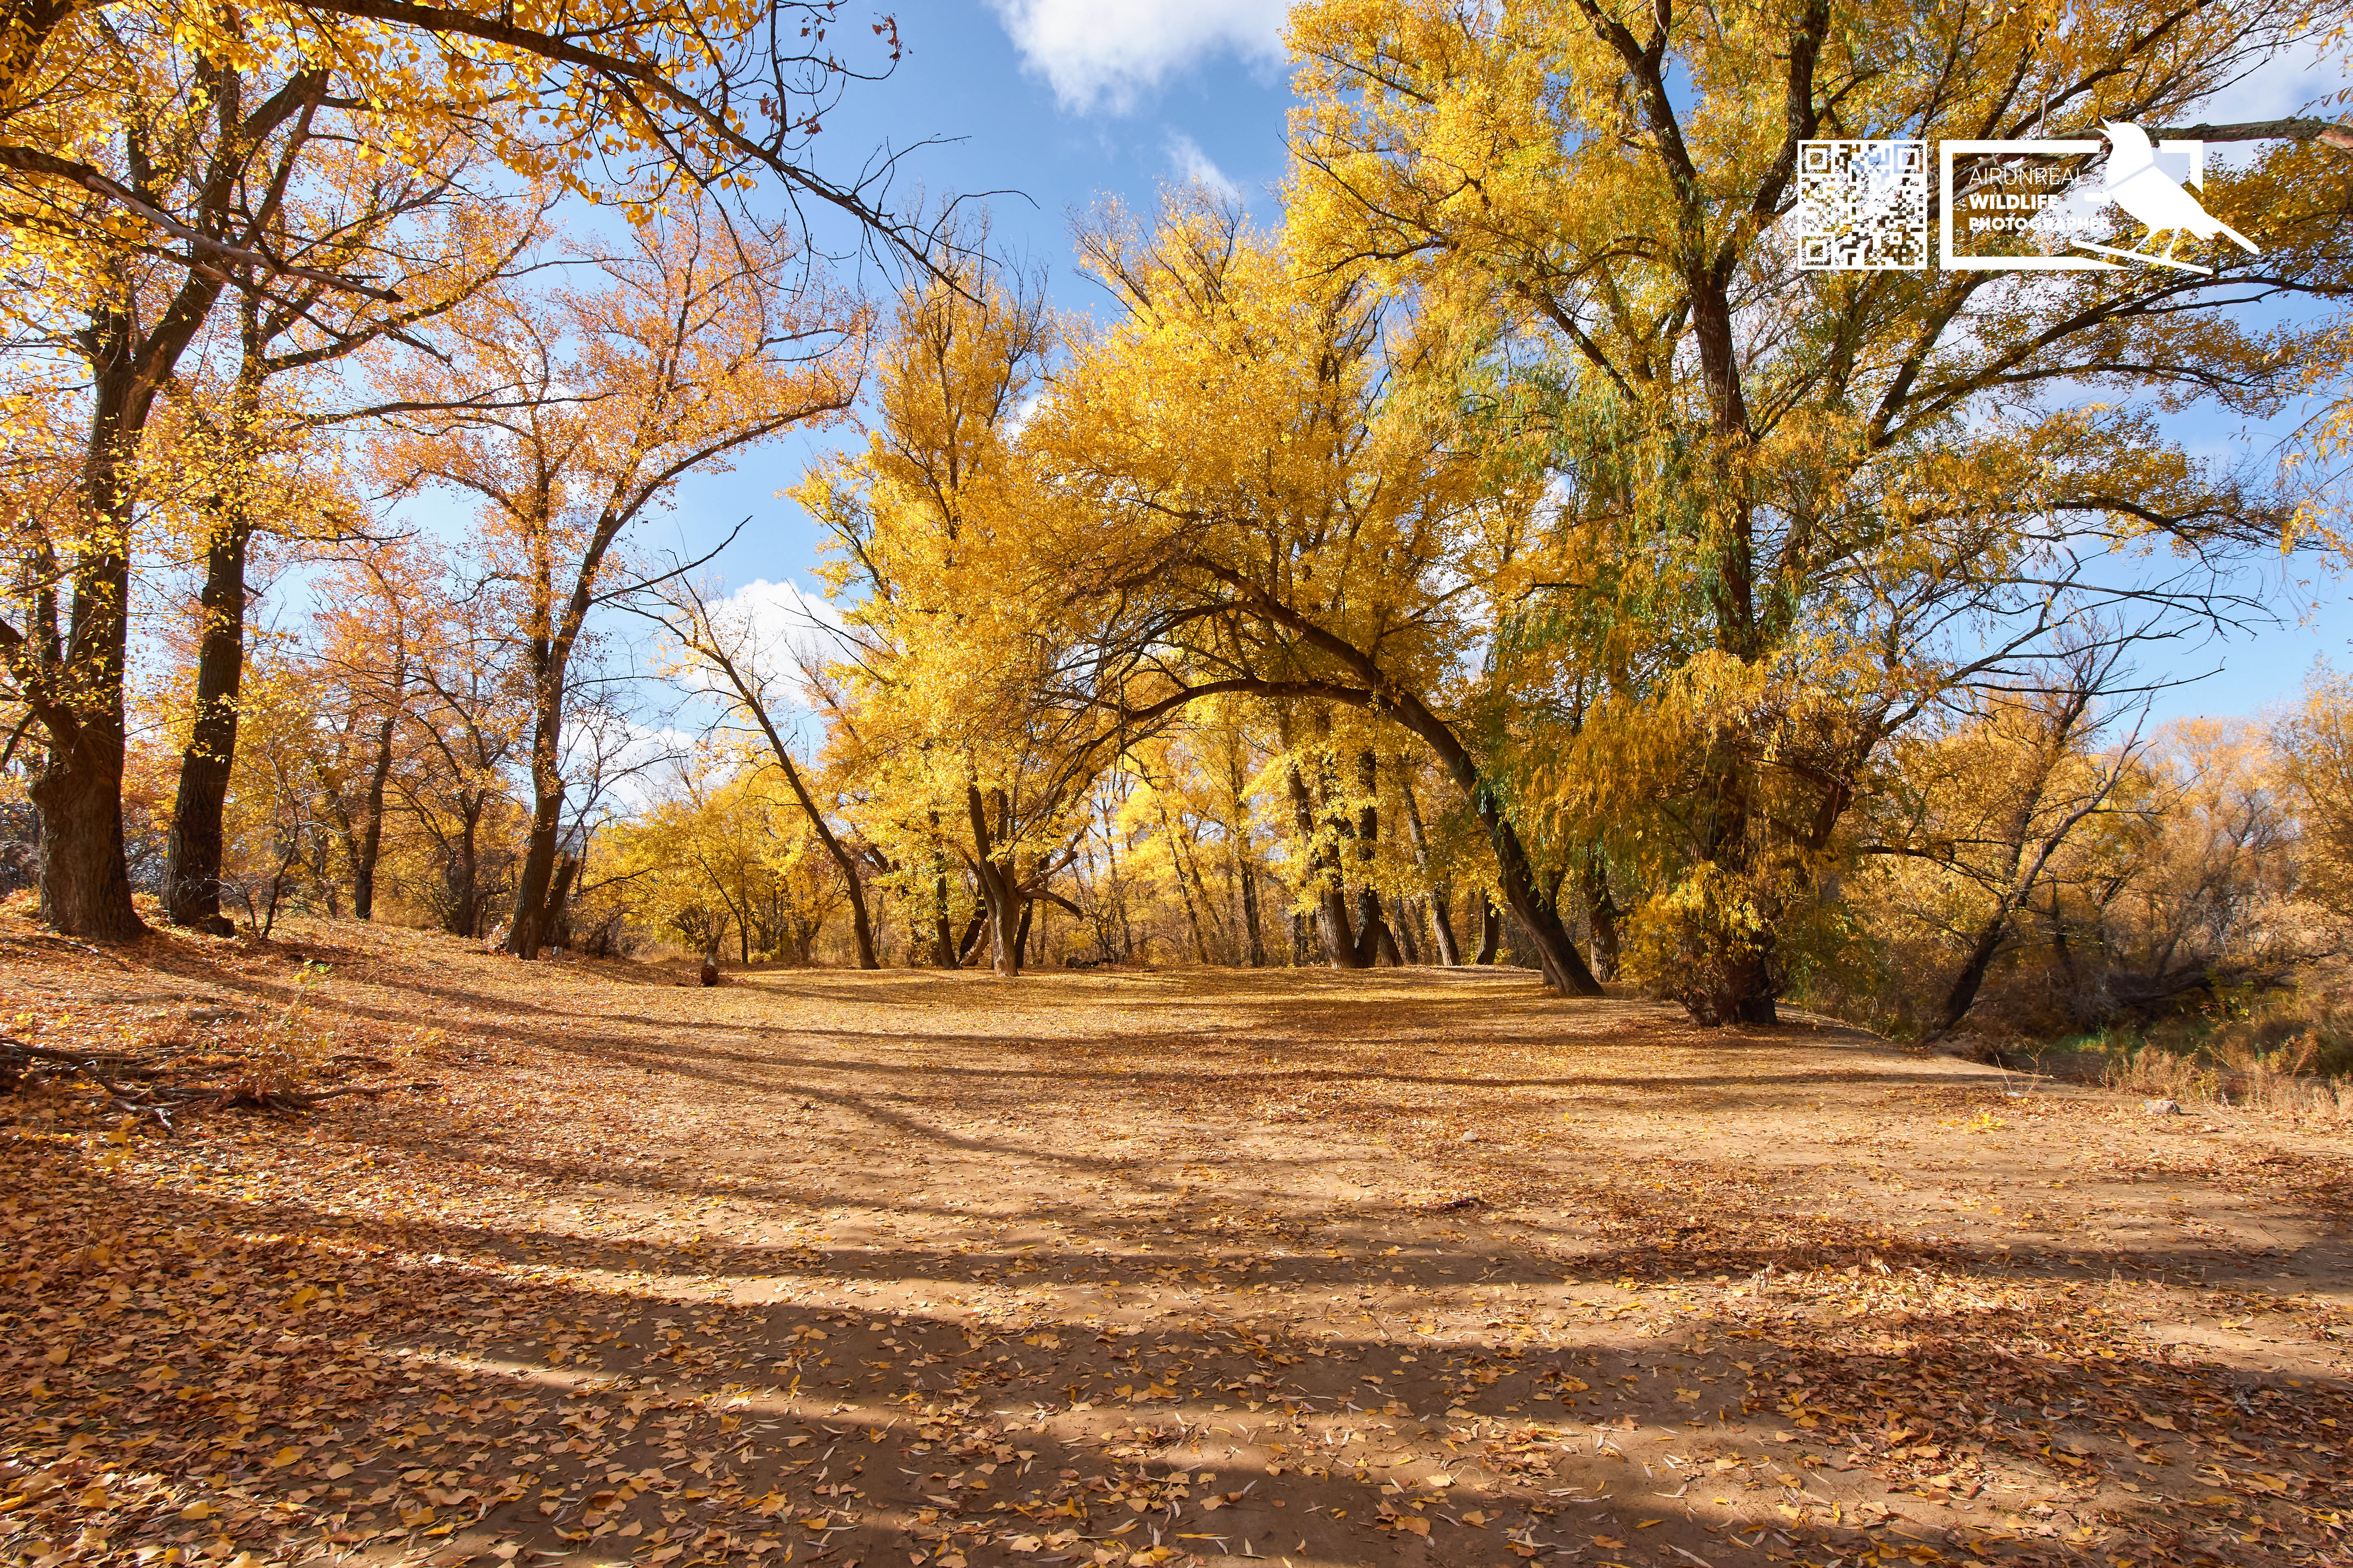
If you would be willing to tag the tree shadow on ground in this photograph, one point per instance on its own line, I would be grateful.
(480, 1392)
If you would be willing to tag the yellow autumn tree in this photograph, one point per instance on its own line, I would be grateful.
(142, 150)
(970, 705)
(727, 852)
(1788, 506)
(1269, 488)
(2315, 746)
(694, 342)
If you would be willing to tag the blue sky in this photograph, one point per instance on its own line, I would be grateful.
(1068, 102)
(1096, 98)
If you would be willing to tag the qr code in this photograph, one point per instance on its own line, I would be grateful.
(1862, 205)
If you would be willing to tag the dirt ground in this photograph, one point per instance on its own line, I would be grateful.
(1410, 1267)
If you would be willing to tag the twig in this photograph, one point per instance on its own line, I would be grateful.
(151, 1097)
(93, 951)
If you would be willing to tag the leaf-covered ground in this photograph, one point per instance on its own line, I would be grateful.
(909, 1268)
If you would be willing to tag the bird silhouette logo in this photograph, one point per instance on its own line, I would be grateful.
(2135, 182)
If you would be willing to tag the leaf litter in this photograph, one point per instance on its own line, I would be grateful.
(1116, 1268)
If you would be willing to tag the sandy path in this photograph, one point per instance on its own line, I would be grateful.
(1404, 1266)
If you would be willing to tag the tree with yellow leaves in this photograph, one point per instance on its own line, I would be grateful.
(242, 437)
(633, 100)
(695, 343)
(727, 851)
(1790, 507)
(142, 154)
(971, 703)
(723, 646)
(98, 309)
(2316, 747)
(1268, 489)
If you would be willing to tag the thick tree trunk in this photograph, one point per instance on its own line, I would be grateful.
(1731, 980)
(371, 844)
(527, 934)
(459, 877)
(85, 882)
(1962, 994)
(1563, 966)
(1373, 938)
(193, 850)
(998, 890)
(85, 876)
(1602, 914)
(75, 691)
(1333, 927)
(1441, 922)
(1299, 956)
(1491, 928)
(559, 902)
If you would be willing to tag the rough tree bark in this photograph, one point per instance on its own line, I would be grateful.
(73, 682)
(1602, 914)
(996, 886)
(192, 847)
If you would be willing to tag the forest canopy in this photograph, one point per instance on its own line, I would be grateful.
(1506, 544)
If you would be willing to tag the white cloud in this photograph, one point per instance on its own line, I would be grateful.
(774, 632)
(784, 628)
(1194, 168)
(783, 612)
(1105, 54)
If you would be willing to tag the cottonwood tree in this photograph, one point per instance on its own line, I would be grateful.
(247, 444)
(1991, 805)
(725, 848)
(1792, 506)
(460, 736)
(130, 134)
(373, 624)
(98, 308)
(625, 101)
(692, 344)
(969, 704)
(2315, 746)
(1265, 496)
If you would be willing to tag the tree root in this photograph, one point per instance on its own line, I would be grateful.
(26, 1064)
